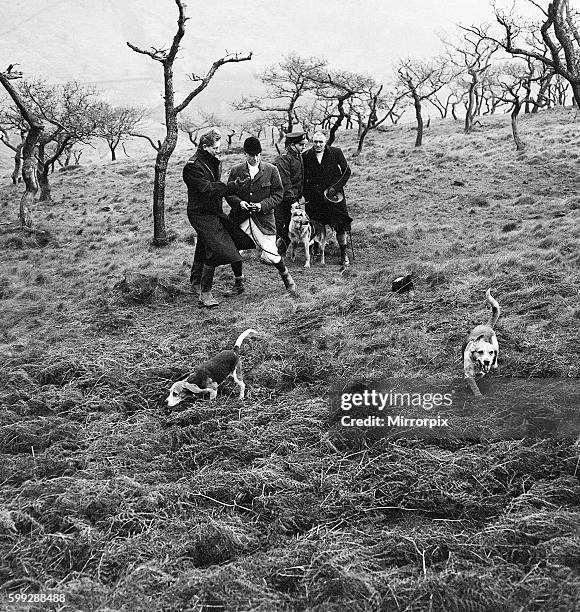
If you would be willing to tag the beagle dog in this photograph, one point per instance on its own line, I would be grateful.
(206, 377)
(481, 349)
(306, 232)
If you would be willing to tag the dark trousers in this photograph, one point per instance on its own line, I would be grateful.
(282, 215)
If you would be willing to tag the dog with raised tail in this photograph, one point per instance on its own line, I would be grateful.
(481, 348)
(207, 376)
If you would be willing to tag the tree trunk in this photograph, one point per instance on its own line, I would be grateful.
(469, 110)
(417, 103)
(362, 137)
(161, 162)
(454, 110)
(290, 119)
(576, 94)
(30, 164)
(113, 154)
(44, 184)
(542, 98)
(43, 169)
(29, 174)
(515, 112)
(17, 164)
(337, 123)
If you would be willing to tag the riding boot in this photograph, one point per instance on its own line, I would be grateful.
(195, 276)
(286, 278)
(282, 246)
(344, 260)
(238, 286)
(206, 298)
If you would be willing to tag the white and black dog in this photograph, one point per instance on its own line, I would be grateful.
(481, 348)
(207, 376)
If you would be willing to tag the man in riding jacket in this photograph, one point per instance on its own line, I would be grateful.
(252, 208)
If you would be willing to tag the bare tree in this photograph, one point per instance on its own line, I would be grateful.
(445, 99)
(29, 164)
(472, 56)
(515, 82)
(387, 105)
(559, 32)
(116, 123)
(421, 81)
(166, 147)
(69, 116)
(192, 125)
(286, 83)
(316, 113)
(558, 91)
(338, 87)
(16, 148)
(256, 125)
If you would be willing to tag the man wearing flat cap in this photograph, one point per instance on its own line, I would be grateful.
(252, 208)
(291, 170)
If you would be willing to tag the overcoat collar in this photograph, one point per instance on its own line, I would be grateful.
(209, 161)
(324, 155)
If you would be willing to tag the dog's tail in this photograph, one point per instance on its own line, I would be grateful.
(494, 309)
(242, 337)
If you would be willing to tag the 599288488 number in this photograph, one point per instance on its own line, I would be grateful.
(36, 597)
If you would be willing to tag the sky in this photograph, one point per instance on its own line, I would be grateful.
(85, 40)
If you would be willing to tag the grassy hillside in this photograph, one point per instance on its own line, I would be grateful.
(263, 505)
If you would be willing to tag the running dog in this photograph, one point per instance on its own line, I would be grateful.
(206, 377)
(303, 231)
(481, 349)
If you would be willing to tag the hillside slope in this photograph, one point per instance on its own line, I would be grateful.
(264, 505)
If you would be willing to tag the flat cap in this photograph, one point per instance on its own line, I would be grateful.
(295, 137)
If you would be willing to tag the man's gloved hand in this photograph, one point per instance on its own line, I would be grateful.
(245, 205)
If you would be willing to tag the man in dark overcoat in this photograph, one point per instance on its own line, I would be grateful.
(219, 239)
(326, 172)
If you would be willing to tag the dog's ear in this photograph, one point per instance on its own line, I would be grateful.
(469, 348)
(191, 387)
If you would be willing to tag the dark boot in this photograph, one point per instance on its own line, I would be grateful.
(344, 260)
(195, 277)
(238, 286)
(205, 297)
(287, 279)
(282, 246)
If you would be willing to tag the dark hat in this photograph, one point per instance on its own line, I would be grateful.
(295, 137)
(252, 146)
